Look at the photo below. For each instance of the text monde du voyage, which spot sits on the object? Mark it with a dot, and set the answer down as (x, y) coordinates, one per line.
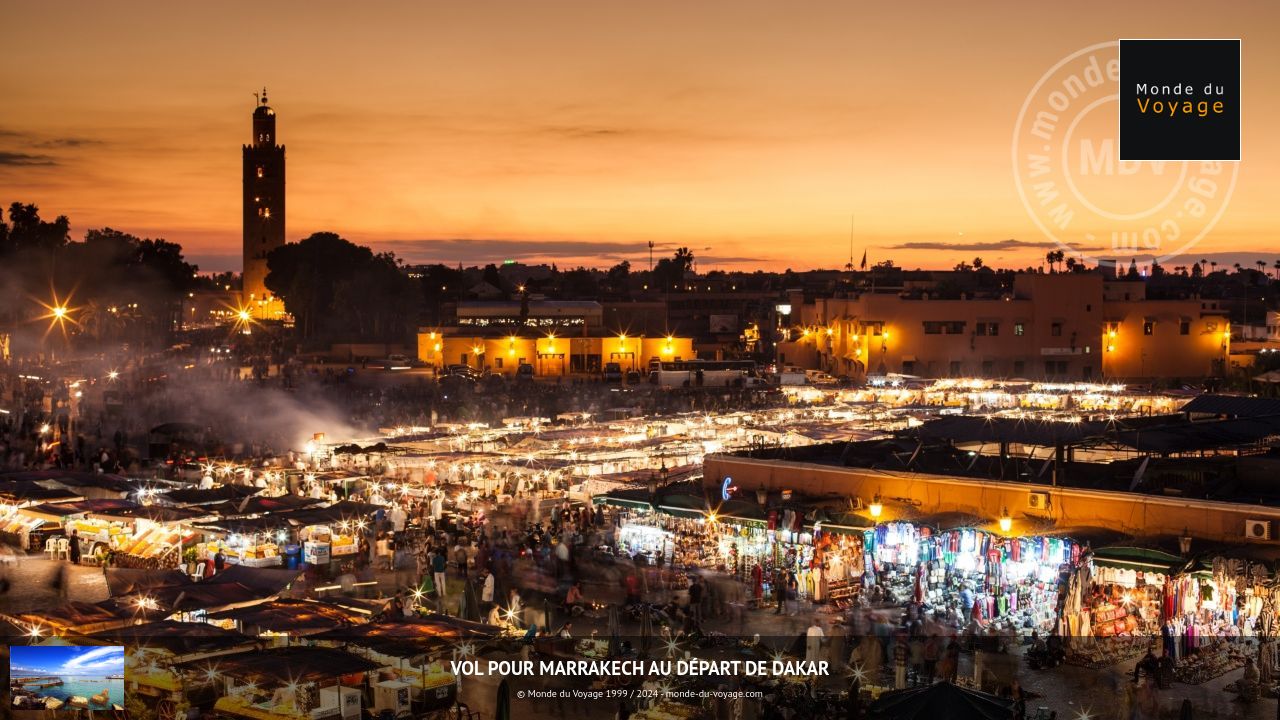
(1179, 99)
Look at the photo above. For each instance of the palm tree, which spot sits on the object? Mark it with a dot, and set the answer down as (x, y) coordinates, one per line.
(1277, 267)
(1262, 266)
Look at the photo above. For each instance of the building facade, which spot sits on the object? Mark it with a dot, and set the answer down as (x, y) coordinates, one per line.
(549, 355)
(555, 337)
(1068, 327)
(264, 211)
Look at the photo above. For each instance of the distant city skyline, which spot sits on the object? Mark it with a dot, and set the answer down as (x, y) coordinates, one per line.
(68, 660)
(576, 133)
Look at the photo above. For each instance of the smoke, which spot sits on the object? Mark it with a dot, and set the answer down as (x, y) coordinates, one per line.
(239, 416)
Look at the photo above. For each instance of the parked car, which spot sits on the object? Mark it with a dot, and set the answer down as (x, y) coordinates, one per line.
(612, 372)
(464, 371)
(524, 373)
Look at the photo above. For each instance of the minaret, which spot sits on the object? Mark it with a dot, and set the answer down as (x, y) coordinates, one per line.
(263, 210)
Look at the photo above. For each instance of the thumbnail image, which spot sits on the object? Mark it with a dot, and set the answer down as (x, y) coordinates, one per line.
(67, 677)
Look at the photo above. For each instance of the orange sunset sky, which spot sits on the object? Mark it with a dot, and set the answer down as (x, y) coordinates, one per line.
(577, 132)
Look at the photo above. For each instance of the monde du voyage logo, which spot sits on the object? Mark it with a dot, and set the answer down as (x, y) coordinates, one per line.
(1124, 148)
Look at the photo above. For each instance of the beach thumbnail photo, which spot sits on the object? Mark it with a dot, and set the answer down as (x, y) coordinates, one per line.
(67, 678)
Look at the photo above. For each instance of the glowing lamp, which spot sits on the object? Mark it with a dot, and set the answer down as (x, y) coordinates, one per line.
(1006, 522)
(876, 507)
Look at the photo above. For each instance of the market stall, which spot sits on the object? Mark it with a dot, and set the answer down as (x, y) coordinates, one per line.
(968, 574)
(293, 682)
(413, 655)
(24, 531)
(154, 649)
(157, 538)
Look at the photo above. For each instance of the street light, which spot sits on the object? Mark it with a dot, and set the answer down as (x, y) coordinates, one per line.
(876, 507)
(1006, 522)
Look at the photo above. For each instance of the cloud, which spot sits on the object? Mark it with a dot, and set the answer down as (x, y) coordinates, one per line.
(99, 659)
(17, 159)
(585, 132)
(593, 253)
(67, 142)
(979, 245)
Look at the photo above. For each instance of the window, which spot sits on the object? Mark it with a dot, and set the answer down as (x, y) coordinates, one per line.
(955, 368)
(943, 327)
(1088, 307)
(259, 171)
(987, 329)
(908, 367)
(462, 359)
(1019, 329)
(497, 362)
(1184, 327)
(1148, 328)
(988, 368)
(1056, 329)
(1019, 368)
(1087, 373)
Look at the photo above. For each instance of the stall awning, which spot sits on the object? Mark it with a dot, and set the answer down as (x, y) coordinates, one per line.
(412, 637)
(154, 513)
(1132, 558)
(27, 491)
(284, 665)
(58, 511)
(296, 617)
(176, 637)
(621, 501)
(209, 496)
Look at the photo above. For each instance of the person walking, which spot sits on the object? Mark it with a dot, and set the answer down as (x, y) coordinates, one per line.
(73, 548)
(695, 598)
(899, 663)
(439, 564)
(813, 642)
(486, 591)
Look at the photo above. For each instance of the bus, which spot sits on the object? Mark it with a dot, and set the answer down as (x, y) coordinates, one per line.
(704, 373)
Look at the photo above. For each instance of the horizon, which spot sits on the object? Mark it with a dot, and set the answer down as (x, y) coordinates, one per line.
(684, 126)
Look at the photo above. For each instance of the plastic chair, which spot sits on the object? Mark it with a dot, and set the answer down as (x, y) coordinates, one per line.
(199, 573)
(64, 548)
(51, 547)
